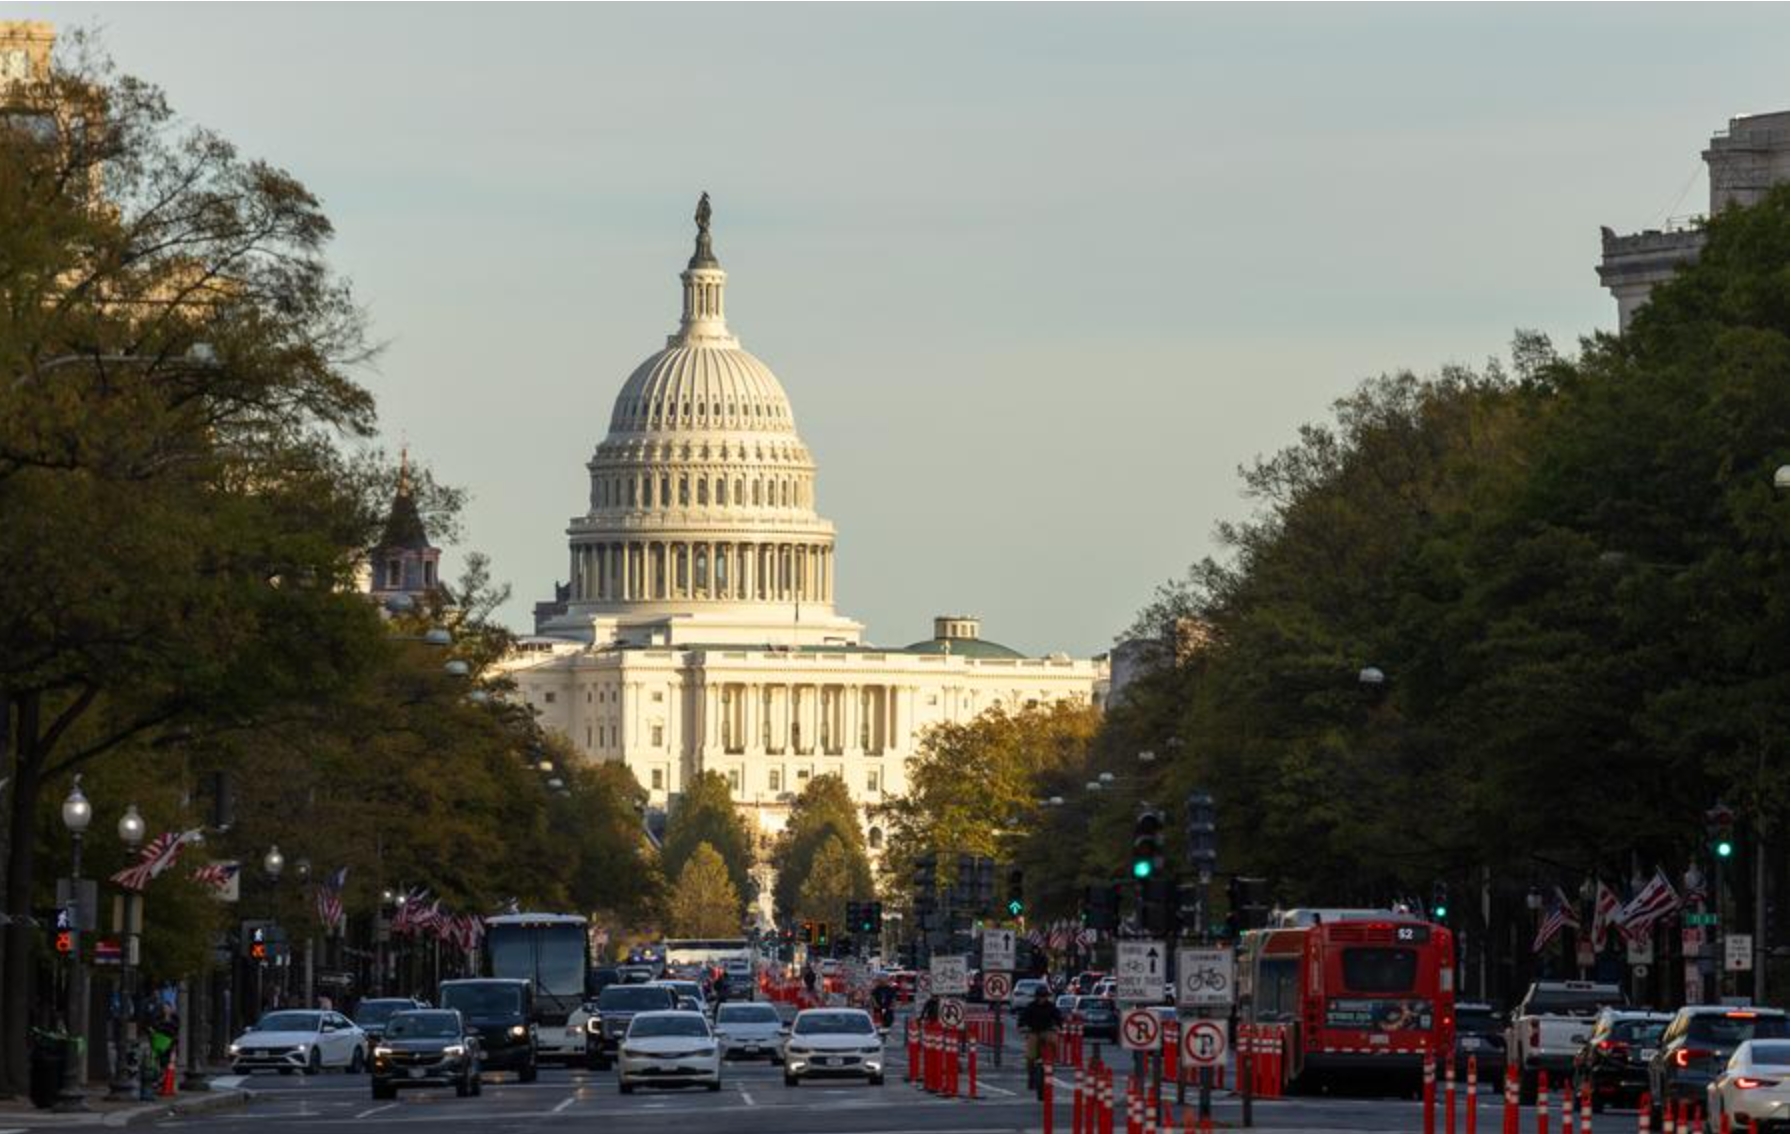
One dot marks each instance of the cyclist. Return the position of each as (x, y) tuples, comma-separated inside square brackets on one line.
[(1040, 1020)]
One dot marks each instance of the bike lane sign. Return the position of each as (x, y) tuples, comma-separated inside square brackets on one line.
[(1205, 978)]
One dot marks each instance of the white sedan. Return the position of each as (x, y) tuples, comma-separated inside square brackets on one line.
[(1753, 1085), (668, 1047), (305, 1041), (833, 1041)]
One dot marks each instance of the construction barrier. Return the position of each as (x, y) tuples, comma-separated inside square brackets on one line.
[(1513, 1085), (1473, 1103), (1266, 1047), (1644, 1113), (1430, 1095), (1048, 1092), (1542, 1102), (1448, 1092)]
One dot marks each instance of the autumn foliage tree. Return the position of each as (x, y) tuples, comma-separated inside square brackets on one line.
[(704, 902)]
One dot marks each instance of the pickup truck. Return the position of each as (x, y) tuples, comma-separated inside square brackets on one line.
[(1550, 1025)]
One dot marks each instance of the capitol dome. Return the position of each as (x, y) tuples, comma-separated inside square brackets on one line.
[(702, 495)]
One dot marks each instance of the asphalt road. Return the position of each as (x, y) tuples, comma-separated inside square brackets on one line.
[(754, 1100)]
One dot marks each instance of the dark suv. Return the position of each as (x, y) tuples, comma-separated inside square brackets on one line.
[(615, 1007), (1614, 1062), (502, 1013), (1698, 1043), (1479, 1034), (370, 1015), (429, 1047)]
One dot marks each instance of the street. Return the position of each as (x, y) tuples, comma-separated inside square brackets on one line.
[(753, 1099)]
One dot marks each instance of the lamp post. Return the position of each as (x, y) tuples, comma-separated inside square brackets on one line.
[(302, 868), (131, 829), (271, 865), (77, 814)]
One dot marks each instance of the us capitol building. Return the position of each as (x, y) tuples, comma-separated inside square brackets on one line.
[(699, 632)]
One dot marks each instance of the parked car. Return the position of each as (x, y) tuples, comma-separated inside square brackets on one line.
[(1480, 1033), (1698, 1044), (1100, 1017), (431, 1047), (502, 1013), (833, 1041), (305, 1041), (1752, 1086), (616, 1006), (371, 1015), (1551, 1024), (668, 1047), (750, 1030), (1613, 1064)]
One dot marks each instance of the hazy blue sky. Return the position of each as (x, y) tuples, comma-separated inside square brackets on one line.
[(1037, 279)]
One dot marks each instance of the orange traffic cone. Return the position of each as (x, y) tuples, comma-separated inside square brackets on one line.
[(167, 1090)]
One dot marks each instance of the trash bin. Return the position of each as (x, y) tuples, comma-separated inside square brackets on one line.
[(49, 1067)]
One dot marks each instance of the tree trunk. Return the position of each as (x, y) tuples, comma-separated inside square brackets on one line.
[(21, 936)]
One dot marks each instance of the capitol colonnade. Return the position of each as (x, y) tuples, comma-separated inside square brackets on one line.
[(725, 570)]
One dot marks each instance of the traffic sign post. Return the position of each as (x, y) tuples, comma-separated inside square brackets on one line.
[(997, 987), (1139, 972), (951, 976), (998, 950), (951, 1012), (1738, 952), (1203, 1047), (1205, 978), (1141, 1030)]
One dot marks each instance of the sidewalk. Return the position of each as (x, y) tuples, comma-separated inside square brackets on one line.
[(19, 1114)]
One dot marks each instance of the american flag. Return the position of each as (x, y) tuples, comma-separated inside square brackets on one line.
[(410, 908), (329, 901), (1060, 937), (217, 875), (1604, 915), (1655, 901), (156, 857), (1559, 916), (427, 920), (1086, 936)]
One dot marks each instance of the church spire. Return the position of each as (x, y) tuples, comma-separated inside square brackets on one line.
[(704, 322)]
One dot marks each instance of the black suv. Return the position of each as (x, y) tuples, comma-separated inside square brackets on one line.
[(1480, 1033), (613, 1010), (430, 1047), (1614, 1062), (502, 1012), (370, 1015), (1697, 1045)]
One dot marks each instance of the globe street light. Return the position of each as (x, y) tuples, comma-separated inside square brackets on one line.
[(77, 815)]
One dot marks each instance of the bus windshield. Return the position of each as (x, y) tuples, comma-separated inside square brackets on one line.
[(550, 955), (1380, 970)]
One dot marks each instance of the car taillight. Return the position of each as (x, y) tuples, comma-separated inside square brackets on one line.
[(1747, 1084), (1617, 1046), (1684, 1056)]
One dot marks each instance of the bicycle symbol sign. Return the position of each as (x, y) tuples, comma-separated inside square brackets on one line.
[(1205, 978), (1203, 1043), (1141, 1030)]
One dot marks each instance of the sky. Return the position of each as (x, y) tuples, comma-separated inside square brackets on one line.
[(1037, 279)]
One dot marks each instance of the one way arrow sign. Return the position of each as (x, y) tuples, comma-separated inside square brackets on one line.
[(1139, 975)]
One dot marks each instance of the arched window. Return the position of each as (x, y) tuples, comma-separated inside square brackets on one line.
[(684, 492), (755, 493), (665, 492), (721, 491), (875, 838), (702, 491), (739, 491)]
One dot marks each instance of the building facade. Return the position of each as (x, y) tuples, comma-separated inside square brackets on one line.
[(1744, 163), (698, 631)]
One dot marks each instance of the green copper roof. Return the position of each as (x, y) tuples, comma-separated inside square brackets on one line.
[(963, 647)]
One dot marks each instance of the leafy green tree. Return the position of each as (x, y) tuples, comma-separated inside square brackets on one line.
[(831, 882), (706, 814), (824, 810), (704, 903)]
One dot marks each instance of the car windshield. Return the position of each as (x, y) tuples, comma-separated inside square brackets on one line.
[(646, 1027), (1571, 1001), (289, 1022), (834, 1024), (1733, 1028), (1094, 1004), (1772, 1054), (483, 999), (422, 1025), (1478, 1023), (747, 1014), (1641, 1032), (632, 998), (379, 1011)]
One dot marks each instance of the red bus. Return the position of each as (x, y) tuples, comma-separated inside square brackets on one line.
[(1356, 994)]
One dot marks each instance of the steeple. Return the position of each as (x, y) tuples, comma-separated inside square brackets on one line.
[(704, 322)]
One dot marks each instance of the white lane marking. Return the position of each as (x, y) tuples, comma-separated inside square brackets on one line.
[(229, 1081), (1003, 1091), (747, 1097), (568, 1101), (376, 1110)]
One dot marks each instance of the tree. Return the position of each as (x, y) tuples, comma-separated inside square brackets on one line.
[(829, 885), (705, 903), (706, 814), (824, 810)]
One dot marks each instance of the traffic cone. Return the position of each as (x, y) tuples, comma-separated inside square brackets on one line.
[(167, 1090)]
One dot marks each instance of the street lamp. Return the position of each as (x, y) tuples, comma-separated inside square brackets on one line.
[(77, 814), (131, 830)]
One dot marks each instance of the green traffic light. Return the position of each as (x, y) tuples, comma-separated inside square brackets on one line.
[(1724, 848), (1441, 913), (1141, 868), (1016, 907)]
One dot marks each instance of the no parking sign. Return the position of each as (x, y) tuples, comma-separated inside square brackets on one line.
[(1203, 1043)]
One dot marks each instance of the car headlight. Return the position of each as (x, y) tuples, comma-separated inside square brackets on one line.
[(454, 1051), (234, 1049), (878, 1050), (517, 1031), (302, 1048), (382, 1052), (630, 1052), (594, 1026)]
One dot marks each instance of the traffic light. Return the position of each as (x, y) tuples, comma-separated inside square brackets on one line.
[(1100, 907), (1147, 846), (864, 919), (258, 944), (1156, 909), (1439, 901), (873, 917), (1203, 835), (808, 933), (984, 896), (1719, 821), (926, 890), (65, 941), (821, 928), (1016, 891)]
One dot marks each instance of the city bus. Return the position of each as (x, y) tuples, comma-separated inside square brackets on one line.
[(1358, 995), (552, 952)]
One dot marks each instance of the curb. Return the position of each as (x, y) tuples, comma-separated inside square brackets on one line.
[(195, 1103)]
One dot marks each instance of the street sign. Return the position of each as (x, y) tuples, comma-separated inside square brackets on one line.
[(951, 1013), (997, 987), (951, 976), (1699, 918), (1203, 1043), (998, 949), (1205, 978), (1738, 952), (1584, 954), (1141, 1030), (1641, 952), (1139, 972)]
